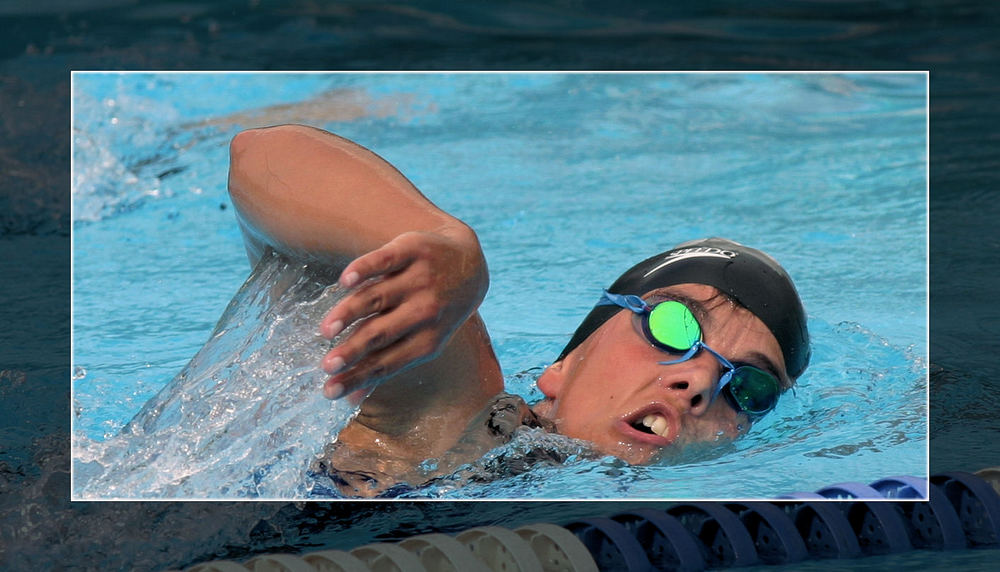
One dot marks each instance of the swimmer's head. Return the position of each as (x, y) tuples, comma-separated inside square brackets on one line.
[(746, 275), (615, 387)]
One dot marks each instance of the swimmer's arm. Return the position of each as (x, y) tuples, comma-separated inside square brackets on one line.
[(309, 193), (312, 194)]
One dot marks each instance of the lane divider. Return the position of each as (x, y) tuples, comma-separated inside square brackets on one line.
[(774, 534), (954, 510)]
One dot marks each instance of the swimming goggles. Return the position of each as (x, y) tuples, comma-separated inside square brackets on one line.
[(672, 327)]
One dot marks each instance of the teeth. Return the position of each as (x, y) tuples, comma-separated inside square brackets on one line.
[(657, 424)]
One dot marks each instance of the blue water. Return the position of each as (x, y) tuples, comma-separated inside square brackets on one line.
[(568, 179)]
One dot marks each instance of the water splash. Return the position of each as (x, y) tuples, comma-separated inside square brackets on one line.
[(244, 418)]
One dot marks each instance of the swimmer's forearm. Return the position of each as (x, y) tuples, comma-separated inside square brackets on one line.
[(306, 191)]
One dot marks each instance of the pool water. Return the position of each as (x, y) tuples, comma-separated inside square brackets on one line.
[(568, 179)]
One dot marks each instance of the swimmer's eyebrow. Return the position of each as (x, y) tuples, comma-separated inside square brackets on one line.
[(697, 308)]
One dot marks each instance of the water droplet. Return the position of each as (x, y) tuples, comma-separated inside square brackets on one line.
[(79, 373)]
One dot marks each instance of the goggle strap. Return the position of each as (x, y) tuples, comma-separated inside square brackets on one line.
[(726, 377), (628, 301), (723, 382)]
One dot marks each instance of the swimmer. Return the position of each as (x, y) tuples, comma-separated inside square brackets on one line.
[(695, 342)]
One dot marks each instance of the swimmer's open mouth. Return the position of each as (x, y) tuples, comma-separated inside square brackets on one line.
[(652, 426)]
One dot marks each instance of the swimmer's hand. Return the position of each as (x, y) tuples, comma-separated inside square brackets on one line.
[(417, 290)]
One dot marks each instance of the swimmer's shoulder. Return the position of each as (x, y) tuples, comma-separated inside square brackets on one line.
[(370, 473)]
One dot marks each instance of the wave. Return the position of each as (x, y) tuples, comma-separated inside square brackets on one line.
[(244, 418)]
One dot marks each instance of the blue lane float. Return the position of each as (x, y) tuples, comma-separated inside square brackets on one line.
[(668, 545), (902, 487), (950, 511), (825, 530), (774, 534), (842, 491), (725, 541), (612, 545), (879, 527), (935, 524), (892, 488), (977, 505)]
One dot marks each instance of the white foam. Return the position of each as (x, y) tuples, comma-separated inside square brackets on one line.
[(246, 416)]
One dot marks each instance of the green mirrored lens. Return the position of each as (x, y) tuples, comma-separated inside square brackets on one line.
[(755, 390), (672, 324)]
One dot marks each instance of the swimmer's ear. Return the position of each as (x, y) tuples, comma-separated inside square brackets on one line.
[(551, 381)]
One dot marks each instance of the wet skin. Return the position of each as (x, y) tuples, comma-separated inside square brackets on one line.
[(603, 389)]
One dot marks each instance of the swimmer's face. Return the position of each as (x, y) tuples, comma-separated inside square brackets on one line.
[(607, 386)]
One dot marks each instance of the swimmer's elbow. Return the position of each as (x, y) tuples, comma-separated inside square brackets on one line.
[(245, 143), (248, 152), (239, 148), (241, 143)]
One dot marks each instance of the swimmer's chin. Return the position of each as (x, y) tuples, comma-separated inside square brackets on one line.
[(679, 452), (643, 455), (696, 453)]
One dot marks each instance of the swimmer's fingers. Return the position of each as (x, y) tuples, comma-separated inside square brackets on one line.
[(380, 365), (372, 298), (379, 332), (376, 296), (394, 256), (426, 284)]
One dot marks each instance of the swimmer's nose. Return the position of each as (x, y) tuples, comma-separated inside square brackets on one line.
[(692, 382)]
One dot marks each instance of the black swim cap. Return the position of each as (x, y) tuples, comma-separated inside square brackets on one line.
[(753, 279)]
